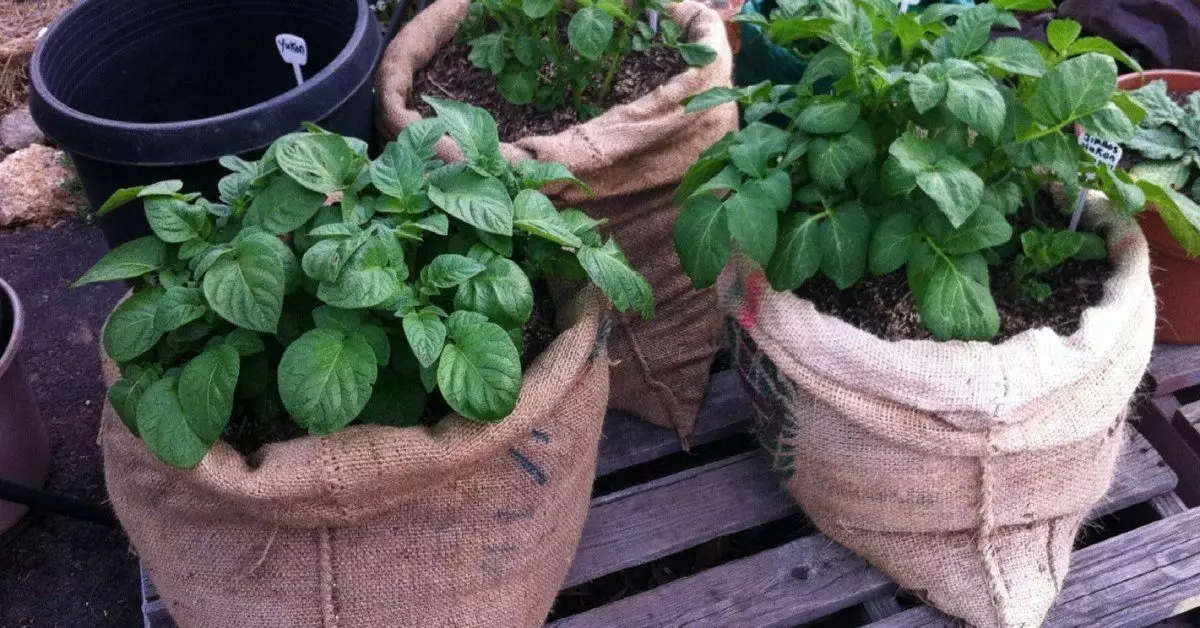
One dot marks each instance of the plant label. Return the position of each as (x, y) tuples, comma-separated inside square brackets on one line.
[(1103, 151), (294, 50)]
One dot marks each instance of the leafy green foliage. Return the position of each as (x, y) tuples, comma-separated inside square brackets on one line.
[(342, 288), (910, 145), (1168, 139), (520, 42)]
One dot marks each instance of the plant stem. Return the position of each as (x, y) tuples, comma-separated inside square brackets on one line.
[(615, 62)]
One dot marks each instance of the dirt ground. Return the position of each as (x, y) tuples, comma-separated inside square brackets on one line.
[(59, 571)]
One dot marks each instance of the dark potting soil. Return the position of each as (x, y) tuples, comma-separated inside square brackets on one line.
[(253, 426), (451, 75), (57, 571), (886, 307)]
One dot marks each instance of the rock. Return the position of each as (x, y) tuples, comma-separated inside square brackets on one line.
[(17, 130), (35, 188)]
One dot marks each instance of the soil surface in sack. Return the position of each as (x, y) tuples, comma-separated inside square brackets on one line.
[(451, 75), (253, 426), (886, 307)]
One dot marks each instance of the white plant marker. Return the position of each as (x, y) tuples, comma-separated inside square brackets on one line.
[(653, 22), (294, 50), (1104, 152)]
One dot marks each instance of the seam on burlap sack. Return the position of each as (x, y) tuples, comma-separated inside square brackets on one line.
[(329, 612), (661, 390), (987, 527)]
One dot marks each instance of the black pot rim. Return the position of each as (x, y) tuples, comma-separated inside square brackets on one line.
[(56, 113)]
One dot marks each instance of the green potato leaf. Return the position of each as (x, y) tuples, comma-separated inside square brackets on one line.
[(847, 237), (131, 330), (608, 268), (799, 251), (246, 288), (284, 205), (135, 258), (589, 32), (326, 379), (322, 163), (479, 373), (480, 201), (502, 292), (205, 390), (702, 240), (163, 427)]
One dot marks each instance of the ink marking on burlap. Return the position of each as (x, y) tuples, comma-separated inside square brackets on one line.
[(772, 397), (537, 473)]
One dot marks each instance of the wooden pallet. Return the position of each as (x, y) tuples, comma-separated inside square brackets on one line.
[(1171, 413), (1135, 579)]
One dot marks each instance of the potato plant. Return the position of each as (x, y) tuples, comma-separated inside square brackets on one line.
[(520, 42), (333, 288), (914, 143)]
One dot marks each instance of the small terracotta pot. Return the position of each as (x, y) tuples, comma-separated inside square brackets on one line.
[(1176, 275), (24, 448)]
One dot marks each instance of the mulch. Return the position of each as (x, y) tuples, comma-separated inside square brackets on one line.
[(58, 571), (20, 21)]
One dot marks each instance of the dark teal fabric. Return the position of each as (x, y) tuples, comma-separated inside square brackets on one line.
[(760, 59)]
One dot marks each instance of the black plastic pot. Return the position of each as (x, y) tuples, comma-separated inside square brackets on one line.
[(138, 91)]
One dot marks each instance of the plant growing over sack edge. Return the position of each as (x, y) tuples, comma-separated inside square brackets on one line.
[(1169, 139), (365, 286), (519, 41), (912, 143)]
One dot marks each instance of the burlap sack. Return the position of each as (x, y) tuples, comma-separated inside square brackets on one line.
[(633, 157), (961, 469), (460, 524)]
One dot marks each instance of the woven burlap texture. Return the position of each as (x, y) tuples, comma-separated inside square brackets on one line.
[(963, 470), (459, 524), (632, 157)]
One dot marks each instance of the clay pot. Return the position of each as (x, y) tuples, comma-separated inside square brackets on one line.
[(24, 448), (1176, 275)]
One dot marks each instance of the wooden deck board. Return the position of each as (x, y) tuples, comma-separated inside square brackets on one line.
[(628, 441), (1173, 368), (1135, 579), (766, 587), (803, 580), (659, 518)]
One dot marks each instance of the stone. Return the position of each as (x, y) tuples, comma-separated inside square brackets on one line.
[(36, 188), (17, 130)]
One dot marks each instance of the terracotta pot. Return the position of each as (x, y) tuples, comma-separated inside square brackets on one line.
[(1176, 275), (24, 448)]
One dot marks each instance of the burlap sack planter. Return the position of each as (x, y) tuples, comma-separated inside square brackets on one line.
[(961, 469), (633, 157), (459, 524)]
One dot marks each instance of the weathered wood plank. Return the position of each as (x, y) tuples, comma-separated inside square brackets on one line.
[(1136, 579), (1174, 367), (628, 441), (881, 607), (659, 518), (764, 589), (1187, 421), (801, 581), (1159, 423)]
